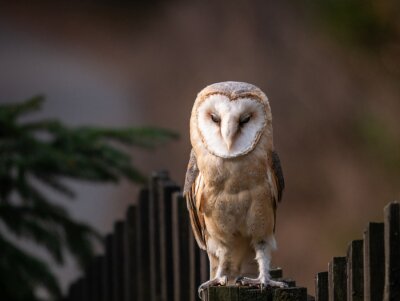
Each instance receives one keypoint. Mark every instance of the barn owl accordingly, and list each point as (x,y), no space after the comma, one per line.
(233,183)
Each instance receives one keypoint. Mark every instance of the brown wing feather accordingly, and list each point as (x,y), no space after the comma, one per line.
(278,180)
(278,174)
(190,192)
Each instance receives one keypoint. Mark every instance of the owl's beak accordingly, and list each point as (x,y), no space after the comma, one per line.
(228,131)
(228,144)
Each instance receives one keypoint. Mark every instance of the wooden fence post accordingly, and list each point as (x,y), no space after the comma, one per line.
(130,246)
(355,271)
(118,261)
(337,279)
(180,235)
(204,266)
(291,293)
(166,189)
(143,247)
(73,292)
(88,283)
(154,234)
(80,290)
(92,283)
(374,262)
(392,252)
(242,293)
(321,287)
(108,269)
(195,273)
(97,287)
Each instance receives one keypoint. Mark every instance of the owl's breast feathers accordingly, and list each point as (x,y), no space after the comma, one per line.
(228,192)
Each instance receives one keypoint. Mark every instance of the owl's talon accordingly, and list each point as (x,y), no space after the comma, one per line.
(238,280)
(245,281)
(217,281)
(279,284)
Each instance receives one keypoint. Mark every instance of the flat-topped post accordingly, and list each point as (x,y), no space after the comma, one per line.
(242,293)
(245,293)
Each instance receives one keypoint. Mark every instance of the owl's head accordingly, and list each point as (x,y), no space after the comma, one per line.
(230,118)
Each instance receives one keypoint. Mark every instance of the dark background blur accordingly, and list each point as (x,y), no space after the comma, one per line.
(331,70)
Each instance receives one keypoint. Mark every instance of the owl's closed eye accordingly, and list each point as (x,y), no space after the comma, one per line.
(230,128)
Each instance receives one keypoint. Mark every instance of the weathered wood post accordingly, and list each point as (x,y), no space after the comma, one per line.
(118,262)
(392,252)
(143,247)
(337,284)
(73,292)
(374,262)
(80,293)
(235,293)
(355,271)
(166,189)
(130,240)
(88,284)
(107,269)
(321,287)
(181,236)
(92,283)
(244,293)
(154,234)
(97,270)
(290,294)
(195,273)
(199,266)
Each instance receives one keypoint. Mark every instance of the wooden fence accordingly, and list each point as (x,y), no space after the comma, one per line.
(371,269)
(152,256)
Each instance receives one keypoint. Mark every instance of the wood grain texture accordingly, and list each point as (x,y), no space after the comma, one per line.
(97,287)
(165,190)
(321,287)
(108,270)
(289,294)
(181,259)
(154,233)
(276,273)
(392,252)
(143,256)
(337,282)
(355,271)
(374,262)
(130,246)
(118,262)
(234,293)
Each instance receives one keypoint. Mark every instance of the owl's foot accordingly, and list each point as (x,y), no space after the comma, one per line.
(223,280)
(260,282)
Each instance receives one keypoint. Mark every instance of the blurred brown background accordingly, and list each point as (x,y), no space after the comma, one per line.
(331,70)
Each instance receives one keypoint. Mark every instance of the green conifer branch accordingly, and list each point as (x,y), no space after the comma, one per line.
(47,152)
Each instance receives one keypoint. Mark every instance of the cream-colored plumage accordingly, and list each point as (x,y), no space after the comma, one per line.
(233,182)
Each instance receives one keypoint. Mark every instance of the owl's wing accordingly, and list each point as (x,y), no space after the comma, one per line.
(277,175)
(278,182)
(193,184)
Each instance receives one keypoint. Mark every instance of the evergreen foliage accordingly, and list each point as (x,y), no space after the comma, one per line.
(42,153)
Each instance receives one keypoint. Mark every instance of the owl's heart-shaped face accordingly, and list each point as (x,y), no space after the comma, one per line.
(230,128)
